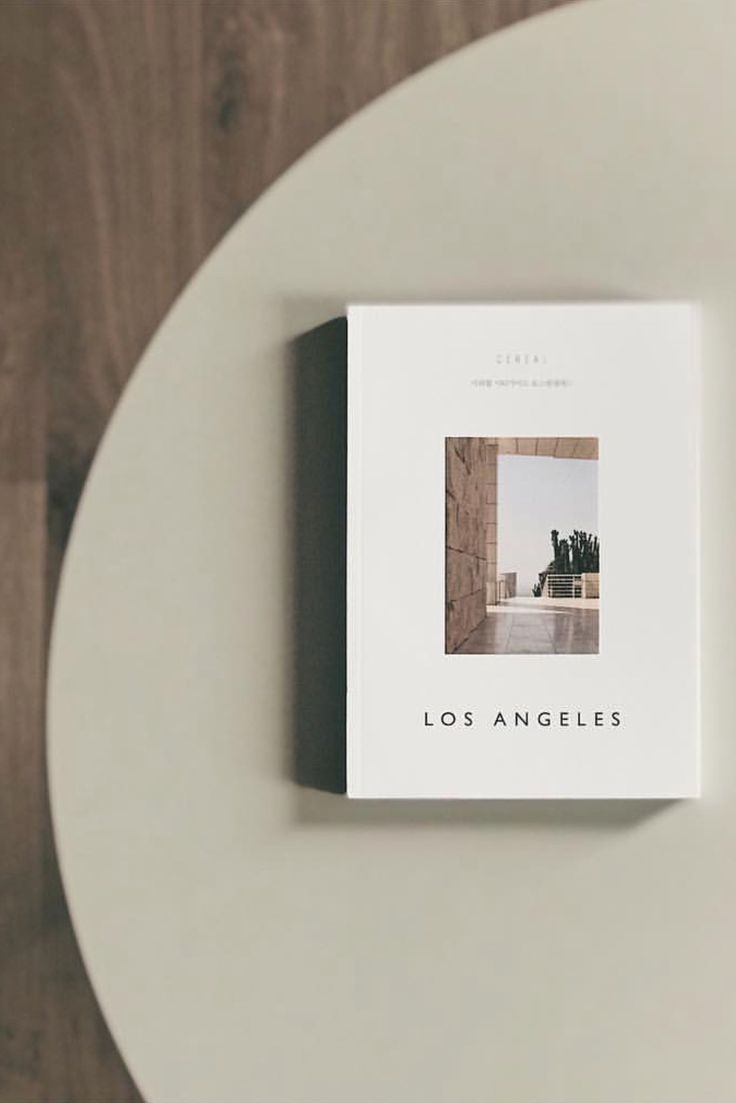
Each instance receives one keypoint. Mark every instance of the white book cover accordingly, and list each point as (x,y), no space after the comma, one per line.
(523,551)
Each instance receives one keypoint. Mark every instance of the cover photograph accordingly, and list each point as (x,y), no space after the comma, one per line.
(523,551)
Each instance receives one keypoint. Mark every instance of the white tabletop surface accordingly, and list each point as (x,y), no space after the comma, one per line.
(254,942)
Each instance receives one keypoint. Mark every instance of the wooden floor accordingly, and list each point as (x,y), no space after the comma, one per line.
(132,134)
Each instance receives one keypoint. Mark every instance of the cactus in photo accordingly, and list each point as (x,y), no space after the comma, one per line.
(577,553)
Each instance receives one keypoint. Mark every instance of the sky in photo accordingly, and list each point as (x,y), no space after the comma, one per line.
(535,495)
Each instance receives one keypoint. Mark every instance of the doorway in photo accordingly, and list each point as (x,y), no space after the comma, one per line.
(522,554)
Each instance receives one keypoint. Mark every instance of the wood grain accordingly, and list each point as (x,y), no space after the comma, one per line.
(132,134)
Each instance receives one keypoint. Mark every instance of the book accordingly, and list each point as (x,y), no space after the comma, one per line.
(523,583)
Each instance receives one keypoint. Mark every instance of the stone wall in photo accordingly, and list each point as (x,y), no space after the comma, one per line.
(591,585)
(470,563)
(507,584)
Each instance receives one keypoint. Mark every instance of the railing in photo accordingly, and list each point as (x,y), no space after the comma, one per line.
(585,585)
(563,585)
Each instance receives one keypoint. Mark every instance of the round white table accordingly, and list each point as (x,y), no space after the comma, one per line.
(253,941)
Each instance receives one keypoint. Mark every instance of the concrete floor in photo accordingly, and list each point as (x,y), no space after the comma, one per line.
(536,626)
